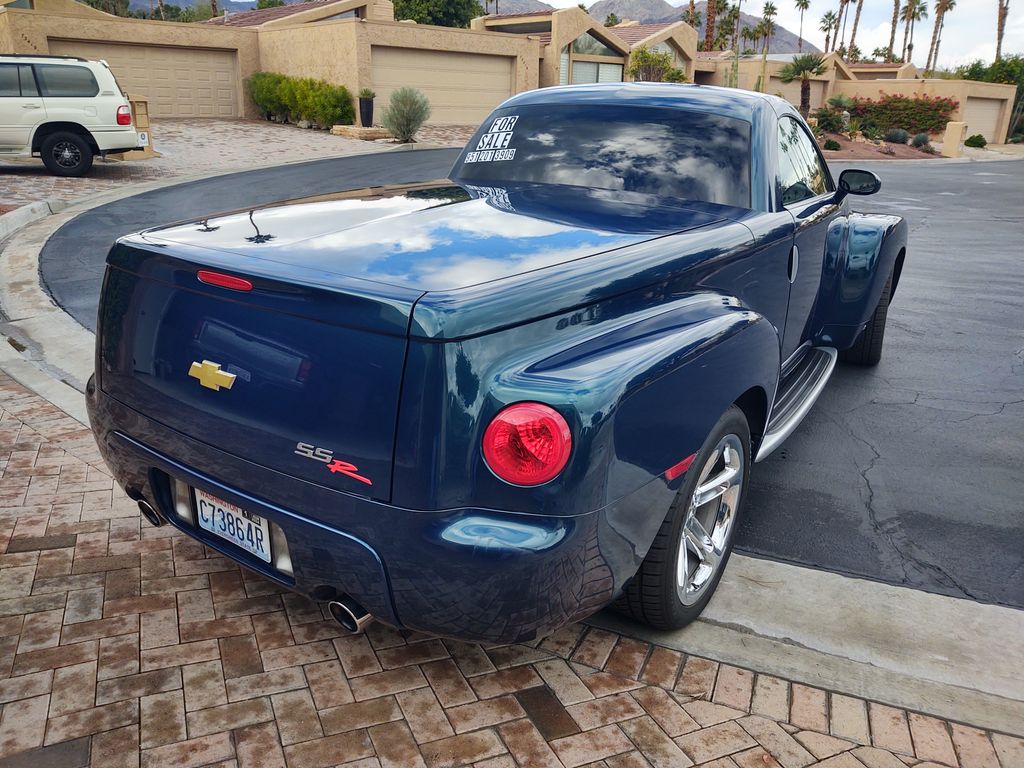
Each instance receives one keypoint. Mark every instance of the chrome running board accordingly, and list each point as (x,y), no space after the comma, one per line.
(798,391)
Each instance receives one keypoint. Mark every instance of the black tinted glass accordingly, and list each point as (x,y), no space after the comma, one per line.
(665,152)
(28,81)
(9,80)
(64,80)
(802,174)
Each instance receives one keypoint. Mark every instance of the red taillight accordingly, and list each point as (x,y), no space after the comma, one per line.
(224,281)
(527,444)
(124,115)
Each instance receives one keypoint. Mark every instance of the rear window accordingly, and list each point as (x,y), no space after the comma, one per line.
(9,80)
(665,152)
(57,80)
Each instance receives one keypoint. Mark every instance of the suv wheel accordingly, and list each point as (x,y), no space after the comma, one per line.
(66,154)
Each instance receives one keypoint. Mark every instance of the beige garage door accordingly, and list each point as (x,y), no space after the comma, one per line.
(982,116)
(791,92)
(462,87)
(180,82)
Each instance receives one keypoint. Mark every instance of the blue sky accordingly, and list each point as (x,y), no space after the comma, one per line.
(970,31)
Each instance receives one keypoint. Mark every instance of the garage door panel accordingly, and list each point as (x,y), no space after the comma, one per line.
(982,116)
(178,81)
(461,87)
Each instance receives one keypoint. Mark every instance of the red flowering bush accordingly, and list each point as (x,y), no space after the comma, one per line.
(915,114)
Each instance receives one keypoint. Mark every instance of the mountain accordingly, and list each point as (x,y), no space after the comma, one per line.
(654,11)
(514,6)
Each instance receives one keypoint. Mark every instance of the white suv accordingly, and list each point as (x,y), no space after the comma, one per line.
(64,110)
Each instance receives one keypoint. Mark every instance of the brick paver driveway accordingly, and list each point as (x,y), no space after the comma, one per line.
(195,147)
(127,645)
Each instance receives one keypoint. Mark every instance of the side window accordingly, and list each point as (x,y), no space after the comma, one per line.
(28,80)
(64,80)
(802,174)
(9,80)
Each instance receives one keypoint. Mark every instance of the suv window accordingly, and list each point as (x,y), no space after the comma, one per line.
(802,174)
(16,80)
(65,80)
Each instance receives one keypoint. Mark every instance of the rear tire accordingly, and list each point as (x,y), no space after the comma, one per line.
(660,595)
(66,154)
(867,349)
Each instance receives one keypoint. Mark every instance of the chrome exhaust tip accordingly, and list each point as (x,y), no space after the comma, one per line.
(350,614)
(147,511)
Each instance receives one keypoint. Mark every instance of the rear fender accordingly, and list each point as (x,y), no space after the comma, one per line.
(862,251)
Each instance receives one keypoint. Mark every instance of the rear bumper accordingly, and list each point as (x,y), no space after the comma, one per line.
(116,140)
(469,573)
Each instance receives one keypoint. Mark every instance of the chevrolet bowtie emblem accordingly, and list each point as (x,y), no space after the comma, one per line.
(211,376)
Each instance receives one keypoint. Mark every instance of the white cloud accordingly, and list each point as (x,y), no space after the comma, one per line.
(970,31)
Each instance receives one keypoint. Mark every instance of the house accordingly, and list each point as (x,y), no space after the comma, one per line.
(871,70)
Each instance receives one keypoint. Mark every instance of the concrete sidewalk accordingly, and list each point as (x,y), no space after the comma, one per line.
(127,645)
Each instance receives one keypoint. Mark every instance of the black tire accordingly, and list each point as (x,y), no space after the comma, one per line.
(66,154)
(867,349)
(652,596)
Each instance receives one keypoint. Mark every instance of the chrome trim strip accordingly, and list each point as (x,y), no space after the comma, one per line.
(775,438)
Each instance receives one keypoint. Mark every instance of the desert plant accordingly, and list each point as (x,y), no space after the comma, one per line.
(921,140)
(295,99)
(977,140)
(896,136)
(366,93)
(803,67)
(650,66)
(832,145)
(406,113)
(841,101)
(871,132)
(854,127)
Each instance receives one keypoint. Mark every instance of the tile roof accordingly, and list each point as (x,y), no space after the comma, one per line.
(634,33)
(263,15)
(875,65)
(519,15)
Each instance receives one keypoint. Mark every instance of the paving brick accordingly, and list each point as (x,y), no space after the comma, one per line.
(809,708)
(395,746)
(872,757)
(26,686)
(362,714)
(329,751)
(424,715)
(462,749)
(159,628)
(191,753)
(74,688)
(297,655)
(272,630)
(707,713)
(89,721)
(822,746)
(931,739)
(162,719)
(483,714)
(469,657)
(662,668)
(204,685)
(389,682)
(655,745)
(41,630)
(23,725)
(698,677)
(118,748)
(714,742)
(595,648)
(665,710)
(265,683)
(419,653)
(296,716)
(226,717)
(591,746)
(733,687)
(448,683)
(118,656)
(67,754)
(604,711)
(258,746)
(174,655)
(770,698)
(889,729)
(604,684)
(849,719)
(1009,749)
(563,681)
(357,656)
(504,681)
(782,746)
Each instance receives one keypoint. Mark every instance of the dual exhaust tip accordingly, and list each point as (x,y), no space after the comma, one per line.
(346,611)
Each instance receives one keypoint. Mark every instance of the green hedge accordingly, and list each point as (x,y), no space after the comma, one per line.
(300,98)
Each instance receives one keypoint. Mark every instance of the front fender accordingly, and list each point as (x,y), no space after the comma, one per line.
(862,252)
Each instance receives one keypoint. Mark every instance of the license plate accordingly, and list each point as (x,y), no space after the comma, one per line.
(243,529)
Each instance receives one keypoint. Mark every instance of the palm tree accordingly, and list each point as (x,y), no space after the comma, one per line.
(856,23)
(803,67)
(913,12)
(768,20)
(1004,10)
(691,16)
(892,32)
(942,7)
(802,6)
(844,9)
(828,23)
(709,29)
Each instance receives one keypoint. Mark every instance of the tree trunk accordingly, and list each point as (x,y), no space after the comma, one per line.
(828,40)
(1004,9)
(853,33)
(938,43)
(906,36)
(800,44)
(160,5)
(928,65)
(805,96)
(846,15)
(213,9)
(892,32)
(709,26)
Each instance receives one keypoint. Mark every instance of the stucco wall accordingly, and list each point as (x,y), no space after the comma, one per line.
(325,51)
(31,31)
(956,89)
(566,25)
(685,39)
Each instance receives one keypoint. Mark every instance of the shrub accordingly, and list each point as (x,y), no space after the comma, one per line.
(896,136)
(406,114)
(300,98)
(841,102)
(650,66)
(366,93)
(829,120)
(832,145)
(854,127)
(977,140)
(914,114)
(871,131)
(921,140)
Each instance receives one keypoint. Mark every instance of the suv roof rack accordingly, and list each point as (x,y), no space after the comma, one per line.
(40,56)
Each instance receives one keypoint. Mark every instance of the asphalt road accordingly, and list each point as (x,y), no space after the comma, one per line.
(910,473)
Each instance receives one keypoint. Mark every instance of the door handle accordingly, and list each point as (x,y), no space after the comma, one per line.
(794,264)
(30,106)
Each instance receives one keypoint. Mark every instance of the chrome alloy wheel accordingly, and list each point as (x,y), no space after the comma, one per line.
(66,154)
(709,519)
